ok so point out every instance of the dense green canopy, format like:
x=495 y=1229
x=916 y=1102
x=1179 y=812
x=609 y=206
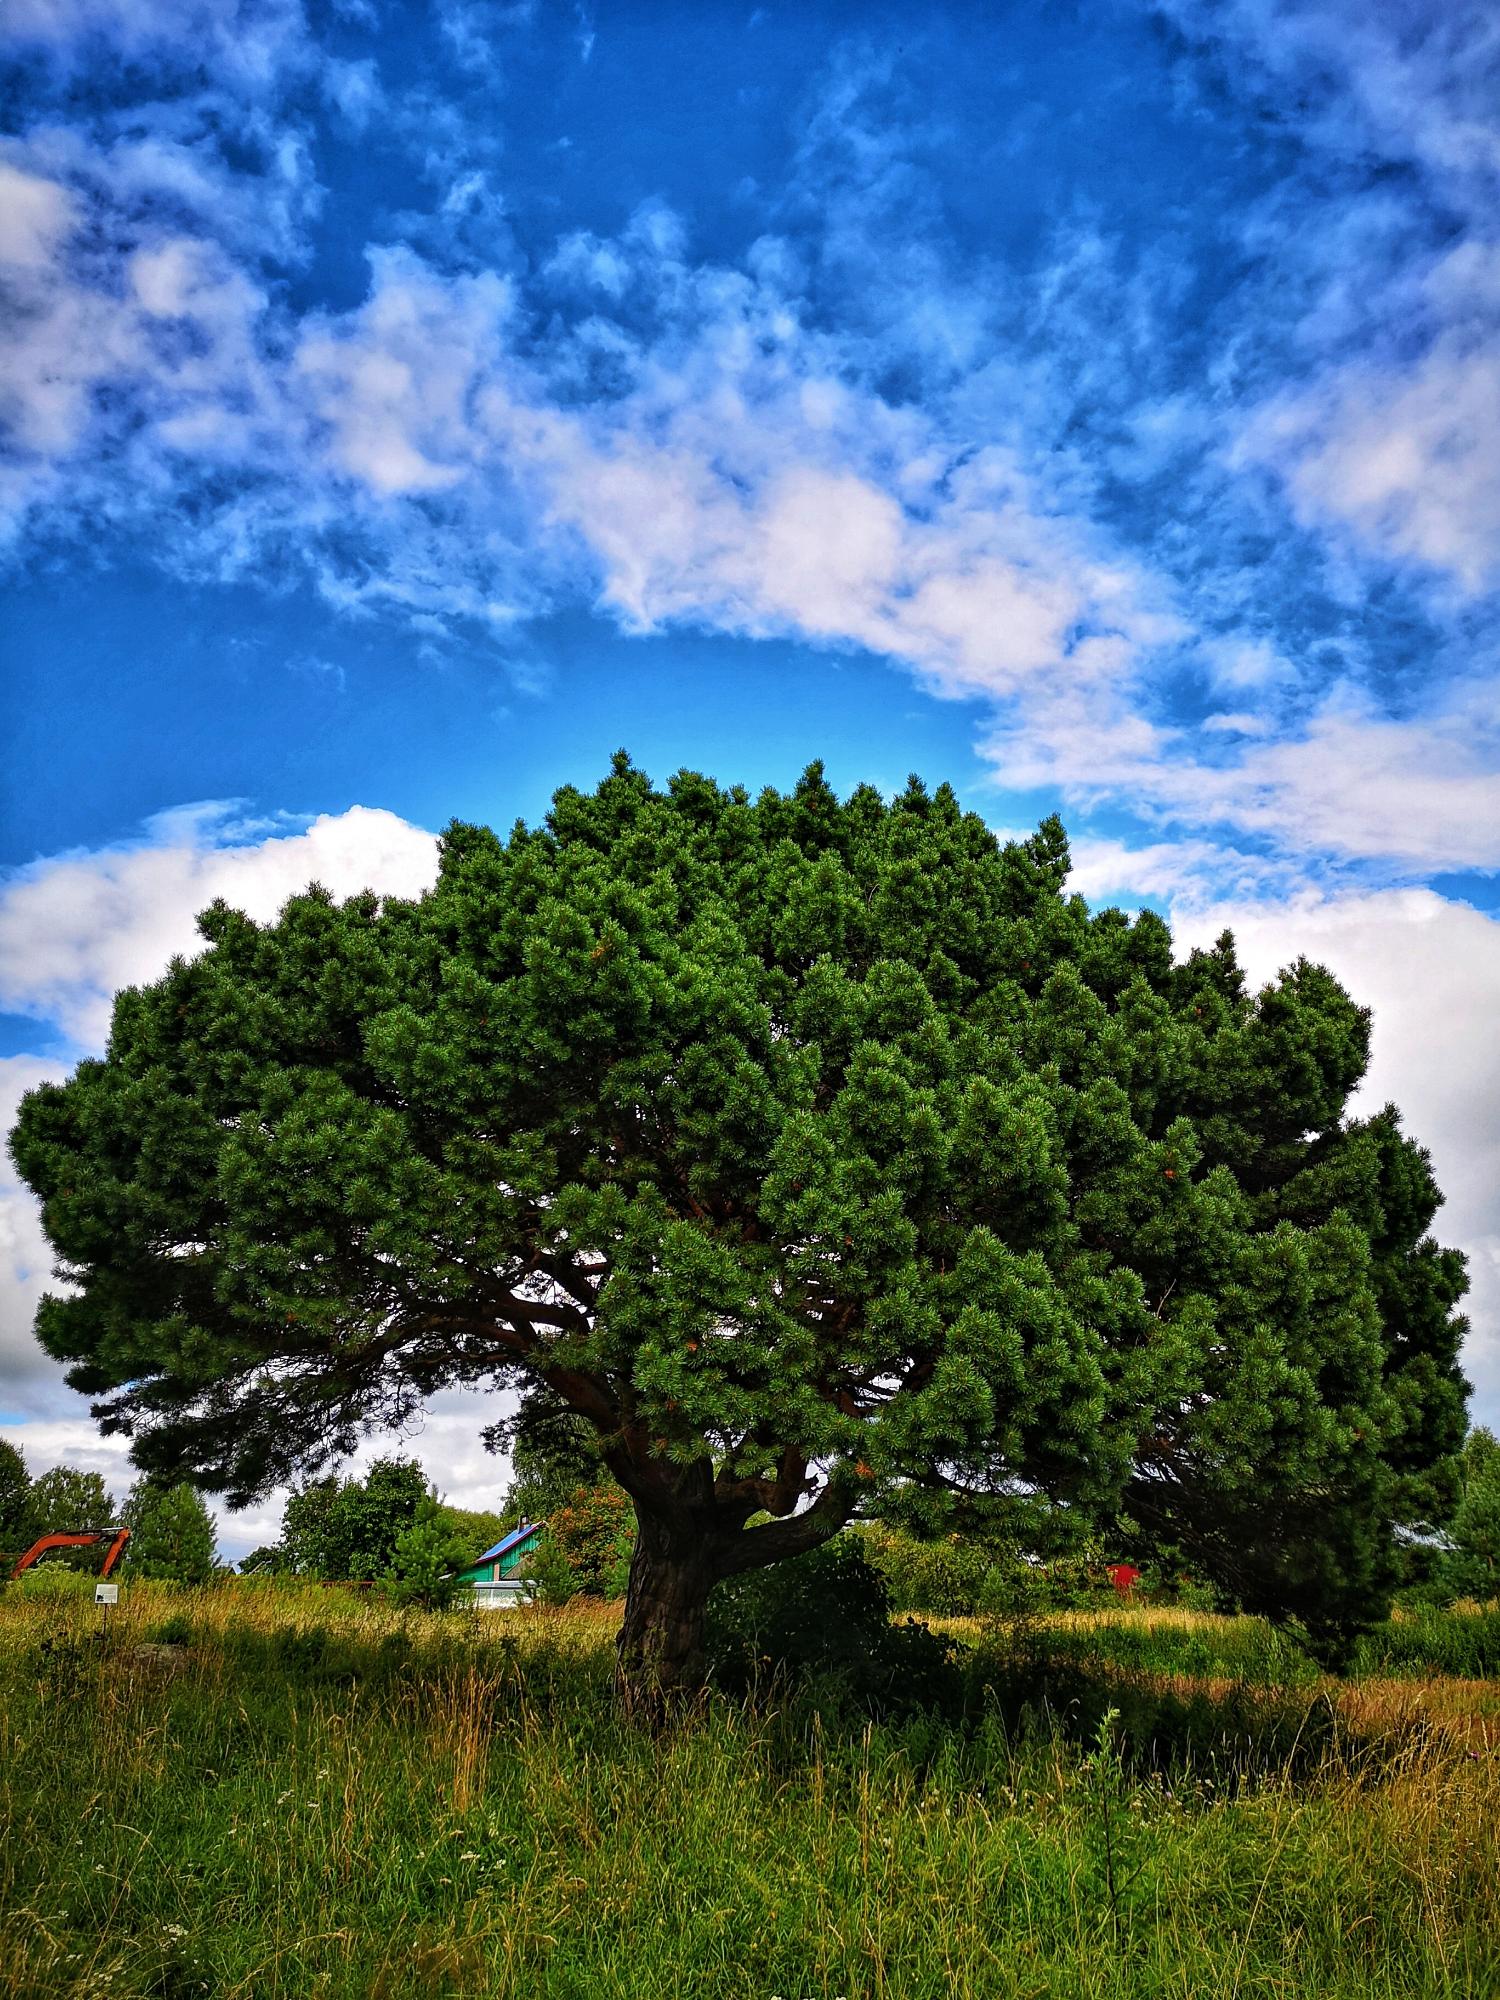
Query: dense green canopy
x=811 y=1151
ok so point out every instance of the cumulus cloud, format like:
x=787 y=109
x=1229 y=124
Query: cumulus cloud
x=25 y=1255
x=389 y=385
x=1430 y=969
x=76 y=928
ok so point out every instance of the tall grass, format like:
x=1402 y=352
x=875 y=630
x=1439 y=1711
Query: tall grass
x=317 y=1796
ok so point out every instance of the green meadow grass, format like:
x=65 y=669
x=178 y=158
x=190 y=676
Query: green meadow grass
x=319 y=1796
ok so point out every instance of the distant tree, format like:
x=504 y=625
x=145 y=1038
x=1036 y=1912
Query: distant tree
x=553 y=1452
x=426 y=1560
x=270 y=1559
x=1473 y=1567
x=15 y=1499
x=817 y=1154
x=477 y=1528
x=171 y=1533
x=63 y=1500
x=348 y=1528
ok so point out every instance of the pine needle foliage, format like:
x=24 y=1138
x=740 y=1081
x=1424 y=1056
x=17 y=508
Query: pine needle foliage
x=825 y=1156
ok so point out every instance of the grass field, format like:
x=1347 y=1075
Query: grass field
x=317 y=1796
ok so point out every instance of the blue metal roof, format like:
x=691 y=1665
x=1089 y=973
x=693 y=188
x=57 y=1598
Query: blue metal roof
x=507 y=1543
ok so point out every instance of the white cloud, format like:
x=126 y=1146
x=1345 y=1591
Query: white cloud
x=392 y=382
x=76 y=928
x=1419 y=792
x=135 y=337
x=35 y=216
x=1186 y=873
x=1430 y=969
x=25 y=1254
x=1402 y=456
x=445 y=1441
x=1245 y=664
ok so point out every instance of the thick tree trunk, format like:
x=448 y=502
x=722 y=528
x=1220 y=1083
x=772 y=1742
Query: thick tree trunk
x=686 y=1542
x=660 y=1662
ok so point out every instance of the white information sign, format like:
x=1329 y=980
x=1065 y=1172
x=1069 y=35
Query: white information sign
x=106 y=1593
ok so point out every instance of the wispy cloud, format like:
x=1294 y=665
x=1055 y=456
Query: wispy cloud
x=1385 y=438
x=1399 y=451
x=857 y=433
x=249 y=44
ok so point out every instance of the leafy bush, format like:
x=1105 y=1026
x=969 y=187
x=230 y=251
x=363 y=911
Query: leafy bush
x=270 y=1559
x=174 y=1631
x=950 y=1576
x=956 y=1578
x=822 y=1622
x=593 y=1536
x=54 y=1582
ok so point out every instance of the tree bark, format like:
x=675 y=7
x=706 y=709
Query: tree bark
x=681 y=1551
x=660 y=1662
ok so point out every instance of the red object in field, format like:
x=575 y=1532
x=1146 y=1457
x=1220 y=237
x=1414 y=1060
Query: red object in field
x=78 y=1541
x=1124 y=1577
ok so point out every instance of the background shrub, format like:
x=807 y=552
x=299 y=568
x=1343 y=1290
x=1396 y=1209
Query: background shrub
x=588 y=1540
x=822 y=1623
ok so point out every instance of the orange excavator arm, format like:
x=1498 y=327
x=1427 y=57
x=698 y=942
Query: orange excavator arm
x=78 y=1541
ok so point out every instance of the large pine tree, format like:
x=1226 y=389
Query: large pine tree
x=812 y=1152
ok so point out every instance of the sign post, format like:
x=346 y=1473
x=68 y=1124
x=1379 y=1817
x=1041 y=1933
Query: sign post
x=105 y=1594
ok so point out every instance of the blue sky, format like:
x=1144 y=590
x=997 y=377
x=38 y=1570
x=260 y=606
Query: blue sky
x=1093 y=405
